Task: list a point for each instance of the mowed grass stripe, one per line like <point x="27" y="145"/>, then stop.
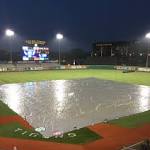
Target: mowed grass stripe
<point x="141" y="78"/>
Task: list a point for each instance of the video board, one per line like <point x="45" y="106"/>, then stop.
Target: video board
<point x="35" y="53"/>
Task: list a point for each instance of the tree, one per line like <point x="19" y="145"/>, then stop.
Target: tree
<point x="4" y="55"/>
<point x="78" y="53"/>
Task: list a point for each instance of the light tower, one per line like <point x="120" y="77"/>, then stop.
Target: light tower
<point x="59" y="37"/>
<point x="147" y="36"/>
<point x="10" y="33"/>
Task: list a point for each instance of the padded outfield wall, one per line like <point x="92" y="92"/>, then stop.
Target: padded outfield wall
<point x="51" y="66"/>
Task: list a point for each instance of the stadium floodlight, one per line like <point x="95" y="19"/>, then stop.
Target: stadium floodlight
<point x="9" y="32"/>
<point x="59" y="37"/>
<point x="147" y="36"/>
<point x="35" y="45"/>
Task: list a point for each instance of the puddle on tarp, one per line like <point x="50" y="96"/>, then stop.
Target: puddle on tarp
<point x="62" y="105"/>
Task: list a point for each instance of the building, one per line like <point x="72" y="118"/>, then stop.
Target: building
<point x="121" y="52"/>
<point x="122" y="48"/>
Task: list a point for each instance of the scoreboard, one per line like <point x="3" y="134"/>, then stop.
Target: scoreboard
<point x="35" y="53"/>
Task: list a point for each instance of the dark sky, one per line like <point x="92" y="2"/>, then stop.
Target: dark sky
<point x="81" y="21"/>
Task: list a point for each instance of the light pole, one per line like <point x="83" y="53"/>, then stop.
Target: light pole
<point x="147" y="36"/>
<point x="59" y="37"/>
<point x="10" y="33"/>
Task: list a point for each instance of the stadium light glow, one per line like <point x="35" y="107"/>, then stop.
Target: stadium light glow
<point x="147" y="36"/>
<point x="35" y="45"/>
<point x="59" y="36"/>
<point x="9" y="33"/>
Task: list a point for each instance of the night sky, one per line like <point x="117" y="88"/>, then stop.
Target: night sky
<point x="81" y="21"/>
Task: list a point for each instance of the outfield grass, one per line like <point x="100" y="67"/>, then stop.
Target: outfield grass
<point x="142" y="78"/>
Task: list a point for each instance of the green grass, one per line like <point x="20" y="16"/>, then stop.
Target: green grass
<point x="133" y="120"/>
<point x="115" y="75"/>
<point x="5" y="110"/>
<point x="8" y="130"/>
<point x="83" y="135"/>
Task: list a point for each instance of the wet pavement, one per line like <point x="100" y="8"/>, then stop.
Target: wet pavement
<point x="63" y="105"/>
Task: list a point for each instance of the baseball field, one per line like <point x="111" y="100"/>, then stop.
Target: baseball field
<point x="10" y="121"/>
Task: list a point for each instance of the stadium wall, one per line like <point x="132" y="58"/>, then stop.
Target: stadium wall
<point x="132" y="68"/>
<point x="55" y="66"/>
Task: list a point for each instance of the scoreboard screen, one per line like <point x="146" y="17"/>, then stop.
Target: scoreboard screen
<point x="35" y="53"/>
